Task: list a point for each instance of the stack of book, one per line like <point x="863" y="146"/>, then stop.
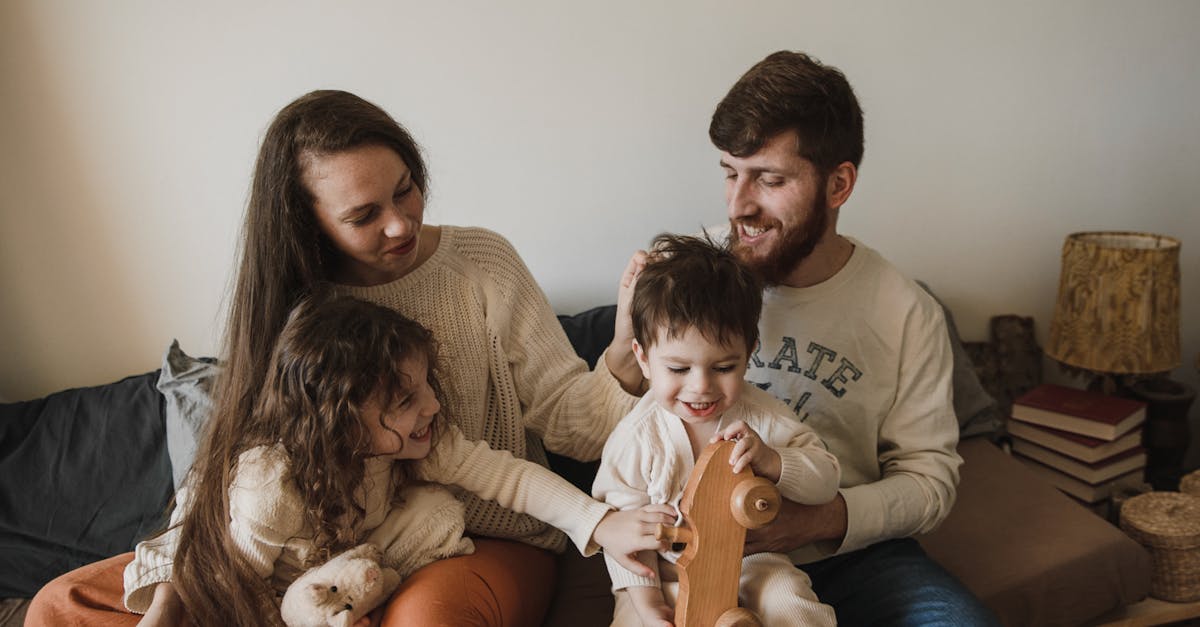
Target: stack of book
<point x="1084" y="443"/>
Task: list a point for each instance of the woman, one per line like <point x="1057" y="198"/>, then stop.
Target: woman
<point x="338" y="197"/>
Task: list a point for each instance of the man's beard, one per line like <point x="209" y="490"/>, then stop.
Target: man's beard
<point x="793" y="244"/>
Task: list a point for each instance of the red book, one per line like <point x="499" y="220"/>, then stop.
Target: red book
<point x="1079" y="411"/>
<point x="1094" y="473"/>
<point x="1080" y="447"/>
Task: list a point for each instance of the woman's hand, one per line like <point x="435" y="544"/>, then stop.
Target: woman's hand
<point x="619" y="356"/>
<point x="166" y="608"/>
<point x="624" y="533"/>
<point x="751" y="451"/>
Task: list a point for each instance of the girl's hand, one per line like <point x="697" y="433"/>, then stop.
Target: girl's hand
<point x="750" y="451"/>
<point x="166" y="608"/>
<point x="372" y="619"/>
<point x="619" y="356"/>
<point x="624" y="533"/>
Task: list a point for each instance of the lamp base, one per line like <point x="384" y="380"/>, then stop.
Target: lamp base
<point x="1165" y="434"/>
<point x="1114" y="384"/>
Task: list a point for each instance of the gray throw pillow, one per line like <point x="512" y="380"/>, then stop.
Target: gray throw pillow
<point x="186" y="384"/>
<point x="977" y="411"/>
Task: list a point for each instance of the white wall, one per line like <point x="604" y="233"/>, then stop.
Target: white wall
<point x="578" y="130"/>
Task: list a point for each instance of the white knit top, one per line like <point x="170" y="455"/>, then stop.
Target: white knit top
<point x="267" y="512"/>
<point x="510" y="375"/>
<point x="649" y="459"/>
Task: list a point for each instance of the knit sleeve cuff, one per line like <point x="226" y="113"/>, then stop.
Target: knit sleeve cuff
<point x="622" y="578"/>
<point x="150" y="567"/>
<point x="584" y="538"/>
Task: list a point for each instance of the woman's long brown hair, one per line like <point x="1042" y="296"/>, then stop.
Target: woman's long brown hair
<point x="283" y="256"/>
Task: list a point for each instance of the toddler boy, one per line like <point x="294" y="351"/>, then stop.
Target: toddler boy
<point x="695" y="319"/>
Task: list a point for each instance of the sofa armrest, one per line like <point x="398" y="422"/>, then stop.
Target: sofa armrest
<point x="1029" y="552"/>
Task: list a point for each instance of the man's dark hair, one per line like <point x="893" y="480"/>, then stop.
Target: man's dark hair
<point x="693" y="282"/>
<point x="791" y="91"/>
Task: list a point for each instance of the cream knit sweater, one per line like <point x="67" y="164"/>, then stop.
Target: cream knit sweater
<point x="510" y="375"/>
<point x="267" y="513"/>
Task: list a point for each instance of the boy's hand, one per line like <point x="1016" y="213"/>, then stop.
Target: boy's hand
<point x="624" y="533"/>
<point x="750" y="451"/>
<point x="651" y="607"/>
<point x="619" y="356"/>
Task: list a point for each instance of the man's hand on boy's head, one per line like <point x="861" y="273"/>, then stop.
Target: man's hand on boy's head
<point x="751" y="451"/>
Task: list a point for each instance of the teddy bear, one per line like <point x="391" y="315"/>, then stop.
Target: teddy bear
<point x="425" y="524"/>
<point x="340" y="591"/>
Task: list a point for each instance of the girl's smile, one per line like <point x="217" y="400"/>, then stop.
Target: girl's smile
<point x="403" y="429"/>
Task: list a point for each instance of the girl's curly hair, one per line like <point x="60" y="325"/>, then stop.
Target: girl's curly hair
<point x="334" y="356"/>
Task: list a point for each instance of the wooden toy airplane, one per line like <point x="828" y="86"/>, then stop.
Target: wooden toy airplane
<point x="718" y="507"/>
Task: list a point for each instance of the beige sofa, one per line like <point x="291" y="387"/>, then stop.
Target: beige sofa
<point x="1030" y="553"/>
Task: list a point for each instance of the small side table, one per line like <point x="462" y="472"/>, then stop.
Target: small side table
<point x="1148" y="612"/>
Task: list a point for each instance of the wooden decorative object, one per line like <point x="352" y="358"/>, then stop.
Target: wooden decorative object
<point x="1118" y="304"/>
<point x="1010" y="363"/>
<point x="718" y="507"/>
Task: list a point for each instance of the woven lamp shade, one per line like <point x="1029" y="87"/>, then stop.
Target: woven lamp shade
<point x="1118" y="304"/>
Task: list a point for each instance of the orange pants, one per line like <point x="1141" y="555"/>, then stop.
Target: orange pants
<point x="502" y="583"/>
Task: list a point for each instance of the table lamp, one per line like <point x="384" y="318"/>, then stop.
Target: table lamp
<point x="1117" y="314"/>
<point x="1117" y="318"/>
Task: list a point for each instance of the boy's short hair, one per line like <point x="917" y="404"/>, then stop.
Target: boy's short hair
<point x="694" y="282"/>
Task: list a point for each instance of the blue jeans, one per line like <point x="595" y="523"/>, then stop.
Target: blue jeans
<point x="894" y="583"/>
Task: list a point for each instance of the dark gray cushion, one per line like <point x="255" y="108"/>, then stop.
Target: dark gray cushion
<point x="590" y="332"/>
<point x="976" y="410"/>
<point x="84" y="475"/>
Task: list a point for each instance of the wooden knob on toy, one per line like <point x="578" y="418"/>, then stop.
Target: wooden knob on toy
<point x="755" y="502"/>
<point x="676" y="535"/>
<point x="738" y="617"/>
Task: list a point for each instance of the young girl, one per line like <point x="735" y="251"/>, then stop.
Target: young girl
<point x="350" y="412"/>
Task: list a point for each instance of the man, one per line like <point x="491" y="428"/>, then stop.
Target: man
<point x="858" y="351"/>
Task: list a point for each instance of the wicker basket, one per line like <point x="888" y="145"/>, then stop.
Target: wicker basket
<point x="1168" y="525"/>
<point x="1190" y="484"/>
